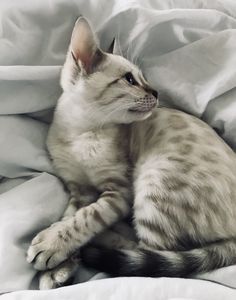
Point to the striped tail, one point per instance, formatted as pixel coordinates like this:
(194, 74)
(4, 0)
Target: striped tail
(143, 262)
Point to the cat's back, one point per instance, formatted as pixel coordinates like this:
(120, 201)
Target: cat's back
(184, 167)
(179, 135)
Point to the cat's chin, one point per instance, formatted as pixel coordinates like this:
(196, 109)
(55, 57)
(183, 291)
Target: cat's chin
(140, 116)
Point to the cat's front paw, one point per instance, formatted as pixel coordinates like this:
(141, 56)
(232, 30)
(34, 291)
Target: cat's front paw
(51, 246)
(59, 276)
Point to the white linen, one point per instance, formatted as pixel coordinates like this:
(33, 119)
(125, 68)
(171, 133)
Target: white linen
(186, 49)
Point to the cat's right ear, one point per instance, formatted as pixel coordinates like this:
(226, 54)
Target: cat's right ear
(84, 55)
(84, 48)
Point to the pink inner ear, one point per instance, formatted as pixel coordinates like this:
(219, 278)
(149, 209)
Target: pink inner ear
(84, 46)
(86, 60)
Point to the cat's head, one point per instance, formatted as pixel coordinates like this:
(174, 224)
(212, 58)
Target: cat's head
(107, 86)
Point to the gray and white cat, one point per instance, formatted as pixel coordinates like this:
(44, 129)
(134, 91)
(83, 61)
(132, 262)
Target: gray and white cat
(115, 150)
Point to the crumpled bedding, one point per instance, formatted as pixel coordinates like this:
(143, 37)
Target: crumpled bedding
(186, 49)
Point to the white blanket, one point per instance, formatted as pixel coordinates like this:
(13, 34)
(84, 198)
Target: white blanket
(187, 50)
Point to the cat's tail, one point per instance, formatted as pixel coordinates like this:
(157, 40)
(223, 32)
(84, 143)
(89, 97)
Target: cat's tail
(143, 262)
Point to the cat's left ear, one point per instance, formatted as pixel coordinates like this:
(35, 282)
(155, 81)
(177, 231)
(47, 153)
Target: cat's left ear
(84, 48)
(113, 48)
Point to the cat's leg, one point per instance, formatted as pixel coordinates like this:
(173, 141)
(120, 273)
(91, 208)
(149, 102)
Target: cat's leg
(74, 200)
(79, 197)
(58, 242)
(58, 276)
(121, 236)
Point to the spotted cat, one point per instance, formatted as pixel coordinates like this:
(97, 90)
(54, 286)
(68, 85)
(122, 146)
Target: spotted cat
(117, 152)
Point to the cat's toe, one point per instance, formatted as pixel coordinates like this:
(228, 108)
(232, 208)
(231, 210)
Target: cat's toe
(36, 240)
(32, 253)
(44, 257)
(60, 276)
(39, 257)
(55, 258)
(46, 281)
(50, 247)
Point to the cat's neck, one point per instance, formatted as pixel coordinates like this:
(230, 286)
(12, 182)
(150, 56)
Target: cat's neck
(73, 119)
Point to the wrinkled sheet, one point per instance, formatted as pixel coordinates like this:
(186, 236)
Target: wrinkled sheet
(186, 49)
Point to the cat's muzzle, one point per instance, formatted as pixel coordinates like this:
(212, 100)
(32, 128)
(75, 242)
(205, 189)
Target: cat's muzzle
(145, 104)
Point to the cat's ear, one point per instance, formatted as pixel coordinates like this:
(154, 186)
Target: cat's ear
(84, 48)
(111, 47)
(114, 47)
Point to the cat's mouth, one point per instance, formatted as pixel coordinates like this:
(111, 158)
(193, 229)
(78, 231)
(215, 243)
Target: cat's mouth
(143, 108)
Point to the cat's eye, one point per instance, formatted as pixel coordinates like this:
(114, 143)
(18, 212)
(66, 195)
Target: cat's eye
(130, 78)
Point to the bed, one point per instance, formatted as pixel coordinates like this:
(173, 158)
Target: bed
(187, 51)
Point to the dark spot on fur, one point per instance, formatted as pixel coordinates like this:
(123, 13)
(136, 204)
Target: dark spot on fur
(160, 133)
(191, 137)
(210, 157)
(59, 234)
(201, 175)
(177, 122)
(189, 208)
(115, 207)
(207, 190)
(98, 218)
(176, 139)
(63, 237)
(68, 234)
(156, 228)
(185, 149)
(75, 226)
(186, 167)
(174, 183)
(176, 159)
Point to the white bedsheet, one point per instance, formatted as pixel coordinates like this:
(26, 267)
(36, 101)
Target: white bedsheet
(187, 50)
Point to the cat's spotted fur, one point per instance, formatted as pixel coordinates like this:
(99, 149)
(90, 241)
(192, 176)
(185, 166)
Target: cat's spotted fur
(174, 169)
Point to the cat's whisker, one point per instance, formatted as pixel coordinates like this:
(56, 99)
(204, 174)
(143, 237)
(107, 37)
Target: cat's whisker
(138, 61)
(118, 43)
(135, 60)
(128, 53)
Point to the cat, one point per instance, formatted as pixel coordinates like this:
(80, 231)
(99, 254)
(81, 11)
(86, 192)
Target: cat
(118, 152)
